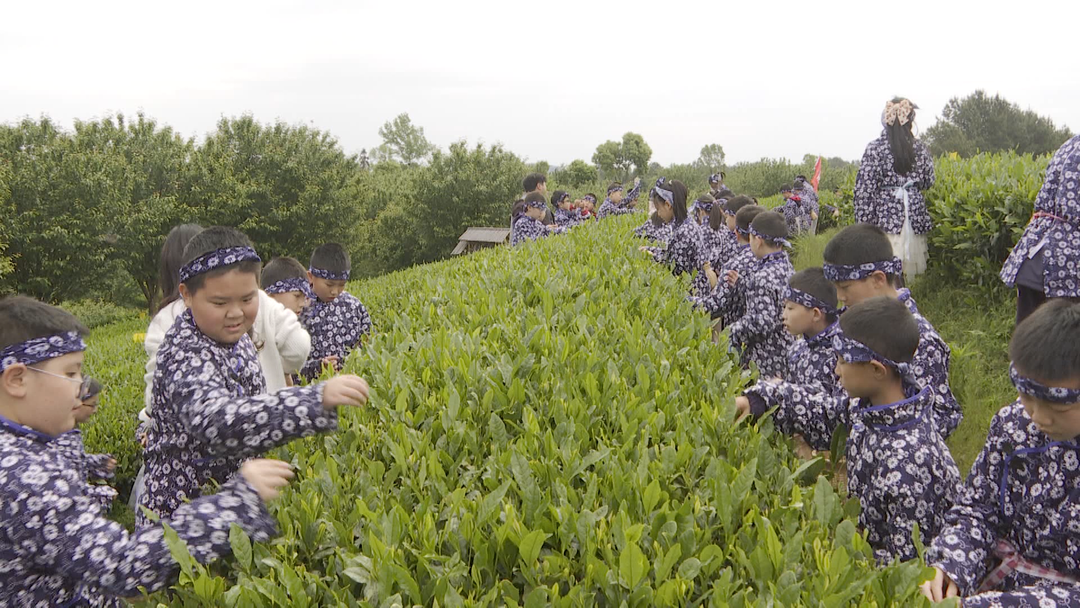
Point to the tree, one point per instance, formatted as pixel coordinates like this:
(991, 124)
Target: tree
(711, 157)
(980, 123)
(403, 141)
(579, 173)
(623, 159)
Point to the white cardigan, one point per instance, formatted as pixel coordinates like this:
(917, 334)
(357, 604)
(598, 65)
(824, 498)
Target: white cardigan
(285, 349)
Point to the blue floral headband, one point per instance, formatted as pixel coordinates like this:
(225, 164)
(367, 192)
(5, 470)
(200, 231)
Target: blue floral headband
(292, 284)
(329, 275)
(41, 349)
(614, 189)
(714, 178)
(805, 299)
(853, 351)
(704, 205)
(589, 197)
(775, 240)
(536, 204)
(1053, 394)
(219, 258)
(838, 272)
(667, 195)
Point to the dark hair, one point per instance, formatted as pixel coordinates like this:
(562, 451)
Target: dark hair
(724, 193)
(557, 196)
(532, 181)
(705, 198)
(331, 257)
(281, 268)
(738, 202)
(771, 225)
(1045, 346)
(212, 239)
(590, 194)
(902, 142)
(800, 178)
(716, 218)
(92, 390)
(23, 318)
(172, 258)
(746, 215)
(612, 186)
(857, 245)
(787, 188)
(518, 209)
(885, 325)
(535, 197)
(813, 281)
(679, 192)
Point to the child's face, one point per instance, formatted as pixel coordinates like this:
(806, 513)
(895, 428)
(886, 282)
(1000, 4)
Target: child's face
(664, 211)
(1060, 421)
(86, 410)
(588, 205)
(325, 289)
(43, 401)
(225, 306)
(862, 379)
(798, 319)
(566, 205)
(616, 197)
(535, 213)
(855, 292)
(293, 300)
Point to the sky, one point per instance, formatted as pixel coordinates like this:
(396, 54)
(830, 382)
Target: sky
(550, 81)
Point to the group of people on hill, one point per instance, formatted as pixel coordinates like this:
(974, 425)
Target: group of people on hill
(842, 348)
(235, 354)
(237, 349)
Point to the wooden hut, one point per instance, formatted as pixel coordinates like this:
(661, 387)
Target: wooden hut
(476, 239)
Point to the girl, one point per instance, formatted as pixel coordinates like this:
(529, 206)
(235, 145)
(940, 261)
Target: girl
(528, 220)
(684, 249)
(702, 207)
(565, 214)
(1043, 263)
(895, 169)
(210, 407)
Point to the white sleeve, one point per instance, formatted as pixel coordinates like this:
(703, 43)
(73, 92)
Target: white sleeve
(292, 340)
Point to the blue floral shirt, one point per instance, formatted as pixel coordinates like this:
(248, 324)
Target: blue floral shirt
(759, 334)
(876, 201)
(336, 328)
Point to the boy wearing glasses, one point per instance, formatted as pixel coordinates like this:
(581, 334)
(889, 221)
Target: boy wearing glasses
(70, 445)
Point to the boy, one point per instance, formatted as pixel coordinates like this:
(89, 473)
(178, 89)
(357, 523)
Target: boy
(565, 214)
(1013, 536)
(898, 466)
(336, 320)
(859, 260)
(792, 209)
(537, 182)
(727, 302)
(759, 334)
(616, 203)
(56, 546)
(529, 223)
(89, 466)
(810, 314)
(285, 280)
(588, 206)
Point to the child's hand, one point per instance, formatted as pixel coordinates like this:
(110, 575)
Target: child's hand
(637, 180)
(742, 408)
(644, 249)
(144, 440)
(803, 449)
(940, 587)
(331, 361)
(732, 277)
(813, 215)
(347, 390)
(267, 476)
(110, 465)
(714, 280)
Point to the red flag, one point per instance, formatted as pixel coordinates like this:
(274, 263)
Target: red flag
(817, 174)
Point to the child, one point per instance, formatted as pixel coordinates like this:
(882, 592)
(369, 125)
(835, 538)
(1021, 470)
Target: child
(809, 201)
(654, 229)
(588, 206)
(285, 280)
(1012, 536)
(727, 301)
(89, 466)
(759, 334)
(810, 314)
(703, 205)
(1043, 263)
(898, 466)
(565, 214)
(56, 545)
(336, 320)
(615, 204)
(792, 210)
(528, 224)
(211, 410)
(684, 248)
(860, 262)
(716, 184)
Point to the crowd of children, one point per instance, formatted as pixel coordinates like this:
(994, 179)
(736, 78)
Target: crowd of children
(237, 350)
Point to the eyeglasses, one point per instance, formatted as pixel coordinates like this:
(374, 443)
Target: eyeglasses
(84, 381)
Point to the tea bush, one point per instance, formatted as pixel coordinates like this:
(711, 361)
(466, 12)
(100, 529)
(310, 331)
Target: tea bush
(549, 425)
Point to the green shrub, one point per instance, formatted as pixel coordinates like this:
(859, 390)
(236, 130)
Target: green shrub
(980, 207)
(549, 433)
(97, 313)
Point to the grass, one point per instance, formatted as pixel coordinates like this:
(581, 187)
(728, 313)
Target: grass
(977, 327)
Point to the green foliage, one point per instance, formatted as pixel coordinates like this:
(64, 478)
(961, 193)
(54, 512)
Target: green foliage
(6, 265)
(98, 313)
(622, 160)
(403, 141)
(980, 207)
(980, 123)
(544, 433)
(711, 157)
(580, 173)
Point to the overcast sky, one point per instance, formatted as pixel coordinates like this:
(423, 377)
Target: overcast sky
(549, 80)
